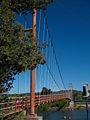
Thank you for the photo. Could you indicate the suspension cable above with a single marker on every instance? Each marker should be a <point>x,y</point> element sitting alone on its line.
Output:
<point>52,76</point>
<point>54,52</point>
<point>39,27</point>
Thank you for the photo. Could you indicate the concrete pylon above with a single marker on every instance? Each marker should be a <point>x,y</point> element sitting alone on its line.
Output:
<point>33,118</point>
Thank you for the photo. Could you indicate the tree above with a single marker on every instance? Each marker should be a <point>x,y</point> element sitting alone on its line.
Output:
<point>45,91</point>
<point>18,51</point>
<point>25,6</point>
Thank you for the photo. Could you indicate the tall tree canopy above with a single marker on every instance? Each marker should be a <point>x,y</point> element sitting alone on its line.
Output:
<point>45,91</point>
<point>25,6</point>
<point>18,51</point>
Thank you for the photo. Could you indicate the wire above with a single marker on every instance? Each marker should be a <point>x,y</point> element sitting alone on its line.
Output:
<point>54,51</point>
<point>39,26</point>
<point>52,76</point>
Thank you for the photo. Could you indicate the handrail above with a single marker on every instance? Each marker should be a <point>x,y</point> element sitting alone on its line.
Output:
<point>23,102</point>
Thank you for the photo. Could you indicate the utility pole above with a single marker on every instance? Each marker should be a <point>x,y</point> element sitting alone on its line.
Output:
<point>32,80</point>
<point>85,95</point>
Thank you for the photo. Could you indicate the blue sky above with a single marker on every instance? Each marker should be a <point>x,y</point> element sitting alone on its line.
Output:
<point>69,25</point>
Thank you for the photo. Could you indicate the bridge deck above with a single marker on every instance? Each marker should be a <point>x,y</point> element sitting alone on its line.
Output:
<point>10,115</point>
<point>13,106</point>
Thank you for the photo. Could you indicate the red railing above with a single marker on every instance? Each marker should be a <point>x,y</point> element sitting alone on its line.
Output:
<point>21,103</point>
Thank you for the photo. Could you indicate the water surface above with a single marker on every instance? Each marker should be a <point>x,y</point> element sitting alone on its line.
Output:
<point>66,115</point>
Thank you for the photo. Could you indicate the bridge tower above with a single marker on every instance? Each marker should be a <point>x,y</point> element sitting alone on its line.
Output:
<point>40,5</point>
<point>70,89</point>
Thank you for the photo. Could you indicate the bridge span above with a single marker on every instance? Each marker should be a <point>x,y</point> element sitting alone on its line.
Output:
<point>13,105</point>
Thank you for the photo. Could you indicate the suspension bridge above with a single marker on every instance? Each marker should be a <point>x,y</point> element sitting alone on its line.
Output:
<point>47,75</point>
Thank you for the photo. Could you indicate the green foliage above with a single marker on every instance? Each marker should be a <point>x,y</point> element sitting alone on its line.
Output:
<point>42,108</point>
<point>60,103</point>
<point>77,95</point>
<point>26,6</point>
<point>45,91</point>
<point>57,105</point>
<point>18,51</point>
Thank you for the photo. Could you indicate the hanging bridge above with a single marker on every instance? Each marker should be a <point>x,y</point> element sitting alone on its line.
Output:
<point>15,105</point>
<point>47,75</point>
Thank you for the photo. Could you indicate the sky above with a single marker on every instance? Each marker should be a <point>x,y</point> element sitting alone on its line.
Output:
<point>69,22</point>
<point>69,25</point>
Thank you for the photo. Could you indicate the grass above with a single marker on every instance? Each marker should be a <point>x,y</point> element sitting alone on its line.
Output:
<point>58,105</point>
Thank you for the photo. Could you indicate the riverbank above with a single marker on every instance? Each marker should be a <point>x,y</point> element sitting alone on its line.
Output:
<point>54,106</point>
<point>80,105</point>
<point>61,105</point>
<point>56,112</point>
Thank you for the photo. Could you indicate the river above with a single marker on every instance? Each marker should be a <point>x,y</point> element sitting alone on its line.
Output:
<point>66,115</point>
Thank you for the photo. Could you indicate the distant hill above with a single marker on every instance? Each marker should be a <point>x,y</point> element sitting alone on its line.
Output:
<point>77,95</point>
